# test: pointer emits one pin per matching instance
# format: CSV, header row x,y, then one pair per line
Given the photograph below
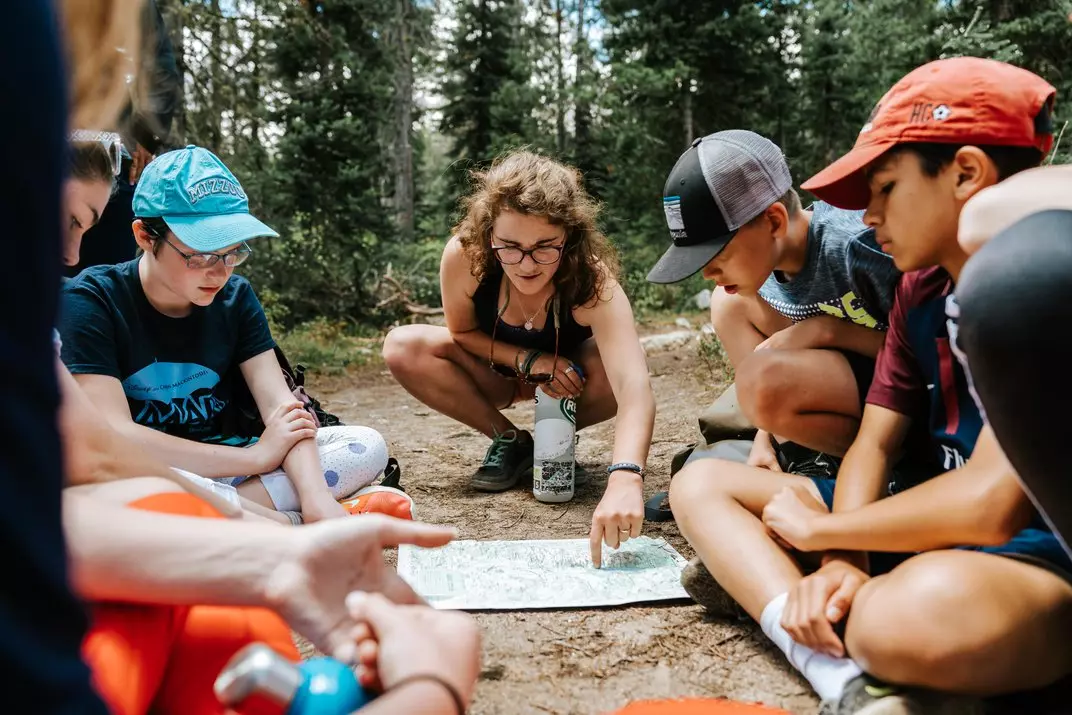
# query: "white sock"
x,y
827,675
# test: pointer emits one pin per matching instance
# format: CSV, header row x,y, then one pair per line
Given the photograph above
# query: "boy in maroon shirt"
x,y
985,609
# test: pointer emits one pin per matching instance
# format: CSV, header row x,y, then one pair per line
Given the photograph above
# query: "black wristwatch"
x,y
626,467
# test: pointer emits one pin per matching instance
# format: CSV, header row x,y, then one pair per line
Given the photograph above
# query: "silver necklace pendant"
x,y
528,325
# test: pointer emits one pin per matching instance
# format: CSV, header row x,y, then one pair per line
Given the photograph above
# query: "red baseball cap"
x,y
961,100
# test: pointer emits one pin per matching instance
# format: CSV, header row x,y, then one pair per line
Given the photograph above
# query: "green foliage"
x,y
326,347
300,98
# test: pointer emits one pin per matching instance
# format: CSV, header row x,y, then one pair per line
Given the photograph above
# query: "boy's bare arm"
x,y
979,504
994,209
826,331
865,471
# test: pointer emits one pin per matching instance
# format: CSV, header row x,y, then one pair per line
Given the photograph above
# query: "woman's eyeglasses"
x,y
200,261
512,372
111,140
512,255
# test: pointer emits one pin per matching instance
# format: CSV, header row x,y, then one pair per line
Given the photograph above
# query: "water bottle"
x,y
553,469
259,681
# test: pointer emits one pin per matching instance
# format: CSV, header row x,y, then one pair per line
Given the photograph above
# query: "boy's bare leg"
x,y
717,506
964,621
743,322
805,396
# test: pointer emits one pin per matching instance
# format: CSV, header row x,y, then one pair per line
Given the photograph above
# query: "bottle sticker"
x,y
553,477
553,439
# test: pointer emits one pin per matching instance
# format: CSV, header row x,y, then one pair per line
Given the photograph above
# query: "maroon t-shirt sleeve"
x,y
898,384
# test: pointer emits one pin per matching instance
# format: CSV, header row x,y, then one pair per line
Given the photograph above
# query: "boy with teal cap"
x,y
159,342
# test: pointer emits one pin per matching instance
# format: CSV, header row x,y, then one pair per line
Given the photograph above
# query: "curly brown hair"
x,y
536,185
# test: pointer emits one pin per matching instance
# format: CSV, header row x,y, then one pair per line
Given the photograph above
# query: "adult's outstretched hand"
x,y
333,558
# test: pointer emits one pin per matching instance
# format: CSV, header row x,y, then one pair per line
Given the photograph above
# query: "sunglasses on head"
x,y
514,372
111,140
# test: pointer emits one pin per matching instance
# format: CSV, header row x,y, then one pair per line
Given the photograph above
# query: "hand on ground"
x,y
791,515
288,424
396,642
619,516
319,565
818,602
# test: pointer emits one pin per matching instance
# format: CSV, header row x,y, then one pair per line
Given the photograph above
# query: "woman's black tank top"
x,y
486,304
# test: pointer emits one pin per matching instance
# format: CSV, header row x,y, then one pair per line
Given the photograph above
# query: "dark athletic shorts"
x,y
1036,544
863,369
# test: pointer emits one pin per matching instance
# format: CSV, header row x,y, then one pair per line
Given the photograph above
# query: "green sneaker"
x,y
508,459
865,695
706,591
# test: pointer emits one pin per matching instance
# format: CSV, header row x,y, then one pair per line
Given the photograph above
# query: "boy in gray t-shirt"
x,y
802,295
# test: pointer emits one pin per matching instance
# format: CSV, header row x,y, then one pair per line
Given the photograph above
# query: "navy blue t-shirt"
x,y
177,373
41,622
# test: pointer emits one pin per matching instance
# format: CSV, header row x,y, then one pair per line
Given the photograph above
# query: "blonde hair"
x,y
536,185
103,38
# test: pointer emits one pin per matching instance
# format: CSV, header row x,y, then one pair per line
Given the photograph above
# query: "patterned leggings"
x,y
351,457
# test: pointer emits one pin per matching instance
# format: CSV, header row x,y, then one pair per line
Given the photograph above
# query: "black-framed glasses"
x,y
511,371
111,140
543,255
200,261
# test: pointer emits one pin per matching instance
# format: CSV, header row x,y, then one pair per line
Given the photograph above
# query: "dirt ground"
x,y
575,661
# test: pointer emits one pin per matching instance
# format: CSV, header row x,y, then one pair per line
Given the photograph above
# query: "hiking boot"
x,y
508,459
705,590
797,459
865,695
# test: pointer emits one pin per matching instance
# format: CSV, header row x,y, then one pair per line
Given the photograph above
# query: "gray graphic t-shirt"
x,y
845,273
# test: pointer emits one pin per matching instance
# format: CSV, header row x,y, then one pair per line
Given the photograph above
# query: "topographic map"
x,y
505,575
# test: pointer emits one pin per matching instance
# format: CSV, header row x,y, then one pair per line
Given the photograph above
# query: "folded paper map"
x,y
504,575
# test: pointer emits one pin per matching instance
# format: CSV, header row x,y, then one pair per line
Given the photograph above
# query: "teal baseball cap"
x,y
199,199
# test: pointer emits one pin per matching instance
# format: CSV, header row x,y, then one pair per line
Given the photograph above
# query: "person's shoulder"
x,y
837,224
918,287
102,279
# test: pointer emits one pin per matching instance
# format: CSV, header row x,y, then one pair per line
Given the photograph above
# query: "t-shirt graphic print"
x,y
179,393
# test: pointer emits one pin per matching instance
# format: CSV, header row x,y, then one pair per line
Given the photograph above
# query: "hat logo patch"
x,y
871,118
923,112
209,187
672,209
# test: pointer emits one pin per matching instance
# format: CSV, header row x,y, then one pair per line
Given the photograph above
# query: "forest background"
x,y
353,124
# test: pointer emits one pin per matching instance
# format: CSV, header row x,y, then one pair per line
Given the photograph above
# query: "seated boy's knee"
x,y
698,483
761,387
727,310
898,625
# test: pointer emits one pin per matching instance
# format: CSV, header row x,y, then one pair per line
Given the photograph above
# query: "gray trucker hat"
x,y
723,181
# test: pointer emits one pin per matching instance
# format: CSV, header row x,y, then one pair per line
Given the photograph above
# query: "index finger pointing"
x,y
595,541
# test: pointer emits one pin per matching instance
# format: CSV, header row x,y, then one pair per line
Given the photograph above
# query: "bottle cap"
x,y
258,670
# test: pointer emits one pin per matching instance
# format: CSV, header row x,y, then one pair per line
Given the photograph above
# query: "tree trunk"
x,y
686,113
560,83
403,146
174,14
214,133
582,109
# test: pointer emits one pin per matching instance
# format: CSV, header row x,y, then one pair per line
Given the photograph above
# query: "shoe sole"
x,y
500,485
